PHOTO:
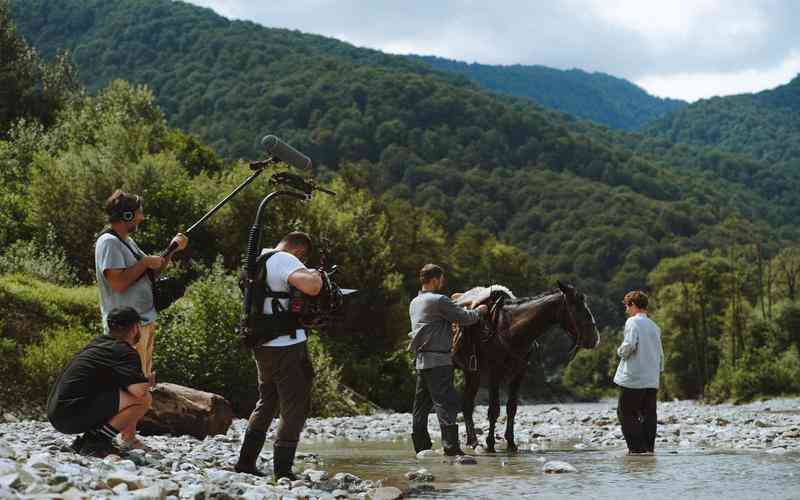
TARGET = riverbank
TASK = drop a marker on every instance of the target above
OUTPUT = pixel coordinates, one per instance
(35, 459)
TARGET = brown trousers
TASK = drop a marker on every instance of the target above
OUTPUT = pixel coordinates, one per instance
(285, 375)
(146, 346)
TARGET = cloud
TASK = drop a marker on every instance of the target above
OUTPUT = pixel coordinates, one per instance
(644, 41)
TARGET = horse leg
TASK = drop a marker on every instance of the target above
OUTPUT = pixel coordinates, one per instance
(471, 384)
(511, 411)
(494, 411)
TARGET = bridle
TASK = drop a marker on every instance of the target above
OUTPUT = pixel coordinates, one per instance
(576, 332)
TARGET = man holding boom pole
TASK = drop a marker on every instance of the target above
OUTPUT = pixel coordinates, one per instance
(120, 266)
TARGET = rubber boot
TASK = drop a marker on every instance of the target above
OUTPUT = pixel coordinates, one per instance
(251, 449)
(450, 441)
(282, 461)
(421, 442)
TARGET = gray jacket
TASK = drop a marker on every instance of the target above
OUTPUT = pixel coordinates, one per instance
(431, 334)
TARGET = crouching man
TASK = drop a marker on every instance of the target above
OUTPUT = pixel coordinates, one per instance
(102, 392)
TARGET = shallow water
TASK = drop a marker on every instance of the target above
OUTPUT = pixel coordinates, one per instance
(671, 473)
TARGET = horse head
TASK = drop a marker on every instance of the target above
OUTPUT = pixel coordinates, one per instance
(577, 319)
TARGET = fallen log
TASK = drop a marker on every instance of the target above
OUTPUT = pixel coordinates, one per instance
(179, 410)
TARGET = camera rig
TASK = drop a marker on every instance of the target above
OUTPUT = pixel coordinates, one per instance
(317, 311)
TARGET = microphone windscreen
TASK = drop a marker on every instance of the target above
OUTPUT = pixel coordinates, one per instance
(284, 152)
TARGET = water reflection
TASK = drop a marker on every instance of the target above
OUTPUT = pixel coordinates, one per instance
(671, 473)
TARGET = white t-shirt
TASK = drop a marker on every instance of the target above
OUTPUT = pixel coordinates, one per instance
(279, 267)
(111, 253)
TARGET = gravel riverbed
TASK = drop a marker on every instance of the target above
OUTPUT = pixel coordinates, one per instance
(35, 460)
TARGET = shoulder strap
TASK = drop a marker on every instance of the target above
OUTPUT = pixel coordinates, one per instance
(130, 249)
(261, 264)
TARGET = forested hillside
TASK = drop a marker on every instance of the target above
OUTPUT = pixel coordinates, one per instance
(555, 187)
(599, 97)
(764, 126)
(430, 167)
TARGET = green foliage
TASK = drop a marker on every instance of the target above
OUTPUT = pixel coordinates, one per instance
(598, 97)
(44, 260)
(327, 397)
(590, 375)
(43, 362)
(197, 344)
(764, 126)
(31, 88)
(31, 306)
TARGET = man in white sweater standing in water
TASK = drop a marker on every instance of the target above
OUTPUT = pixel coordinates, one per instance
(640, 366)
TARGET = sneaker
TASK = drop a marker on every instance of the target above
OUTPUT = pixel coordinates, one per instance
(95, 446)
(76, 444)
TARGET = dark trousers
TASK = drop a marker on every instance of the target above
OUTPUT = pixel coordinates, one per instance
(637, 415)
(434, 391)
(284, 384)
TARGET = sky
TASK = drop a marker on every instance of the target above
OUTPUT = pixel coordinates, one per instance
(684, 49)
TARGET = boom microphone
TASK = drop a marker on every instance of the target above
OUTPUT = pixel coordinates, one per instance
(284, 152)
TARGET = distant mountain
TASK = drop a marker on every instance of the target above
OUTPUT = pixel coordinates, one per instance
(765, 126)
(599, 97)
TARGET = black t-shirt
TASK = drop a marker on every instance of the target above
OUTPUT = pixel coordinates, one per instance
(105, 364)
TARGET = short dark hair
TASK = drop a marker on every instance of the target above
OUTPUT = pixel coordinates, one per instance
(429, 272)
(297, 239)
(122, 319)
(120, 202)
(637, 298)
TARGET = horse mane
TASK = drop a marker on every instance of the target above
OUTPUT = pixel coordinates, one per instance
(535, 298)
(479, 294)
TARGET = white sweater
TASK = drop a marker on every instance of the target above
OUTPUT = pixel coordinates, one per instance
(642, 357)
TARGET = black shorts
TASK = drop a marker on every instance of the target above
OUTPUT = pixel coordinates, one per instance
(84, 414)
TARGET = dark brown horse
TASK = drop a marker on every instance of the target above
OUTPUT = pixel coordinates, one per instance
(502, 347)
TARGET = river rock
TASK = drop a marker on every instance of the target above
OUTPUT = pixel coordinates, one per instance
(422, 475)
(132, 481)
(385, 493)
(558, 467)
(316, 476)
(427, 454)
(6, 451)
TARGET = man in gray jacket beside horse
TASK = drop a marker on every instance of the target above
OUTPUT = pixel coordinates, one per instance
(432, 315)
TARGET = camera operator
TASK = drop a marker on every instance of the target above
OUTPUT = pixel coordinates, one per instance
(284, 367)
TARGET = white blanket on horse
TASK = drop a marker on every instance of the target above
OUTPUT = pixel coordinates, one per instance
(479, 294)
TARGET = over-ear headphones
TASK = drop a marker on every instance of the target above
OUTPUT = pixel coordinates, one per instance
(123, 207)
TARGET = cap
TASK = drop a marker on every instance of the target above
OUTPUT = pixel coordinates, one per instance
(121, 317)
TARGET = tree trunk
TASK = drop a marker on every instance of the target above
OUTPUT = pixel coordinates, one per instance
(180, 410)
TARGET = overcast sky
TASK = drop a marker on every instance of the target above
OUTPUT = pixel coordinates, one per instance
(686, 49)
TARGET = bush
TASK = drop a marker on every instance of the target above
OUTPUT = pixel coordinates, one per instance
(759, 373)
(44, 361)
(31, 306)
(44, 260)
(591, 374)
(327, 397)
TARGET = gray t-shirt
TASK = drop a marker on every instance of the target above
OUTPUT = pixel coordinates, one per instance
(111, 253)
